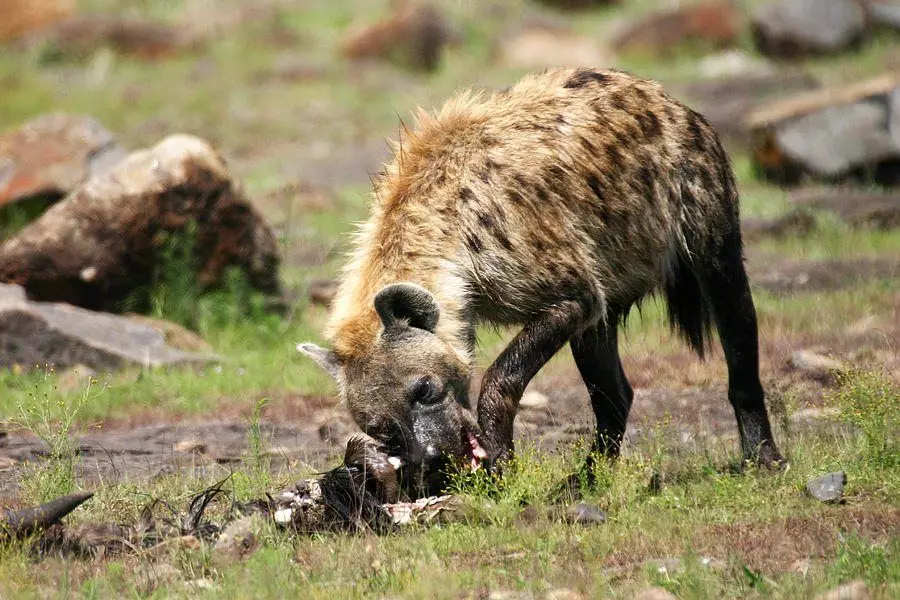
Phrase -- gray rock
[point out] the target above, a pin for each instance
(886, 14)
(833, 141)
(790, 28)
(40, 333)
(828, 488)
(583, 513)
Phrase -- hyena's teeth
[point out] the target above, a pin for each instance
(395, 461)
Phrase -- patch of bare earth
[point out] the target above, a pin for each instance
(776, 546)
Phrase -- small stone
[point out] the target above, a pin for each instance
(583, 513)
(533, 399)
(190, 447)
(828, 488)
(855, 590)
(654, 593)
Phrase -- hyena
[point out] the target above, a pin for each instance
(556, 205)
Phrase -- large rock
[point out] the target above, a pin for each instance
(35, 334)
(841, 133)
(83, 36)
(107, 240)
(18, 17)
(726, 101)
(414, 36)
(717, 24)
(791, 28)
(52, 155)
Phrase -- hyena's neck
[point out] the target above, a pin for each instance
(394, 248)
(413, 233)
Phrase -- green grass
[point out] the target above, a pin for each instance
(709, 525)
(756, 525)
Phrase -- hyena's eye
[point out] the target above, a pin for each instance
(423, 391)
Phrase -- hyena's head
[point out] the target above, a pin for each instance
(410, 391)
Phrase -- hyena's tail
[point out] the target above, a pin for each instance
(689, 312)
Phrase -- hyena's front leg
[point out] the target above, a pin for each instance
(505, 381)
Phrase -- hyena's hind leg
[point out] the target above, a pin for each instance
(724, 284)
(596, 353)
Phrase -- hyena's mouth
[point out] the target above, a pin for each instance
(475, 454)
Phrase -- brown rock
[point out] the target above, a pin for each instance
(136, 37)
(415, 36)
(52, 155)
(717, 24)
(792, 28)
(106, 241)
(834, 134)
(18, 17)
(40, 333)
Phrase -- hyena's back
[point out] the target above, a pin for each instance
(578, 183)
(573, 184)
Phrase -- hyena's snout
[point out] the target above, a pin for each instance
(446, 433)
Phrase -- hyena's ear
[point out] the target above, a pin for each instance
(407, 304)
(326, 359)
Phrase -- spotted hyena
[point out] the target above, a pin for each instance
(557, 205)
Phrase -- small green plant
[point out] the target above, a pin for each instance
(174, 290)
(860, 558)
(257, 460)
(51, 416)
(870, 401)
